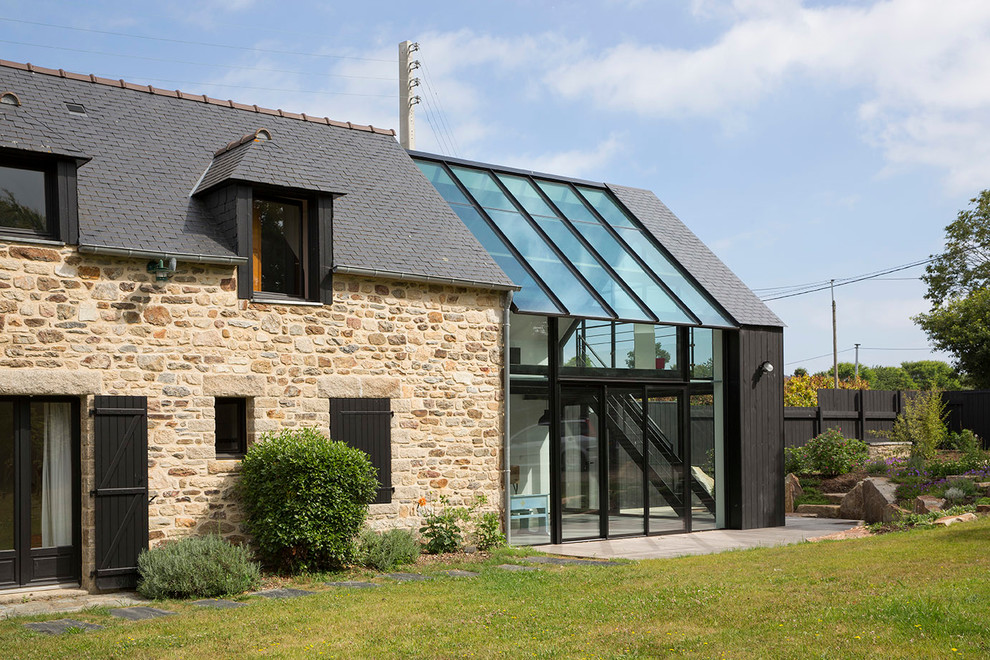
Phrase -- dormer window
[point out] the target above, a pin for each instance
(279, 248)
(26, 205)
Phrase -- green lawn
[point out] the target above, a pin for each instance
(918, 594)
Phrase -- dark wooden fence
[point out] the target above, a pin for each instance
(863, 413)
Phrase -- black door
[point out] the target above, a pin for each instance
(121, 493)
(39, 491)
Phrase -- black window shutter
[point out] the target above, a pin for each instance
(366, 424)
(121, 493)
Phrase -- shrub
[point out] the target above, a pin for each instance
(965, 441)
(983, 500)
(830, 454)
(954, 494)
(198, 566)
(922, 423)
(306, 498)
(386, 551)
(488, 531)
(794, 460)
(965, 486)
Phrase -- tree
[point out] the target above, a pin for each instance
(958, 281)
(892, 378)
(933, 374)
(847, 371)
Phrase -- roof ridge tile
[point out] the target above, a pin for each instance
(179, 94)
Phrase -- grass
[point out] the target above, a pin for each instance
(921, 593)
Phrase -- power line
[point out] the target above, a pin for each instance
(195, 43)
(818, 357)
(436, 96)
(852, 280)
(208, 64)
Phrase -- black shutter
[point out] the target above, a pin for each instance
(121, 493)
(367, 425)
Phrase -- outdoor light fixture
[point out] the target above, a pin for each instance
(162, 268)
(766, 367)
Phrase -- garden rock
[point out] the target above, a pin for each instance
(792, 491)
(820, 510)
(879, 502)
(851, 506)
(949, 520)
(983, 508)
(928, 504)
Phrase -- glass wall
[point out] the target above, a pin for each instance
(590, 346)
(707, 430)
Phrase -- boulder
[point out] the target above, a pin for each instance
(983, 508)
(949, 520)
(792, 491)
(851, 506)
(879, 503)
(819, 510)
(928, 503)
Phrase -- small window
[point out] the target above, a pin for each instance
(279, 250)
(25, 201)
(366, 424)
(231, 427)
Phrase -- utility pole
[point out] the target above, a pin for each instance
(407, 122)
(857, 361)
(835, 341)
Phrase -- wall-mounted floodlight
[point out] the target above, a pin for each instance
(766, 367)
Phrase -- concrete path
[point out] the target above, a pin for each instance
(795, 530)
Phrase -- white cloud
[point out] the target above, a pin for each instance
(578, 163)
(919, 66)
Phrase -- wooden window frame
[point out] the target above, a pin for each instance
(241, 439)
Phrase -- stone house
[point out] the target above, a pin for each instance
(179, 274)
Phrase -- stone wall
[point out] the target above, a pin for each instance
(83, 325)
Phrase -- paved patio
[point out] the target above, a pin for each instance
(796, 530)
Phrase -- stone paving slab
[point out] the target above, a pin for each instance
(60, 626)
(569, 561)
(458, 573)
(517, 568)
(353, 584)
(218, 603)
(796, 530)
(283, 593)
(139, 613)
(69, 604)
(407, 577)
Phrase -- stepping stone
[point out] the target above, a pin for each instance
(353, 584)
(406, 577)
(517, 567)
(139, 613)
(568, 561)
(464, 574)
(218, 603)
(60, 626)
(283, 593)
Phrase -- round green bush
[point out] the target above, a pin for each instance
(306, 497)
(831, 454)
(196, 567)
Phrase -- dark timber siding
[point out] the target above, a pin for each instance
(754, 434)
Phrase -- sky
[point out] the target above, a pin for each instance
(803, 141)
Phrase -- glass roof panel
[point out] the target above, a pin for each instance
(565, 199)
(481, 184)
(442, 182)
(623, 263)
(673, 277)
(591, 269)
(606, 207)
(527, 195)
(531, 297)
(547, 264)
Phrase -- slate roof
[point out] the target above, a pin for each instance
(265, 161)
(19, 130)
(150, 147)
(713, 275)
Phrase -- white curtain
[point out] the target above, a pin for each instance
(56, 479)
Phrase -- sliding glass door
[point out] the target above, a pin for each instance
(39, 486)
